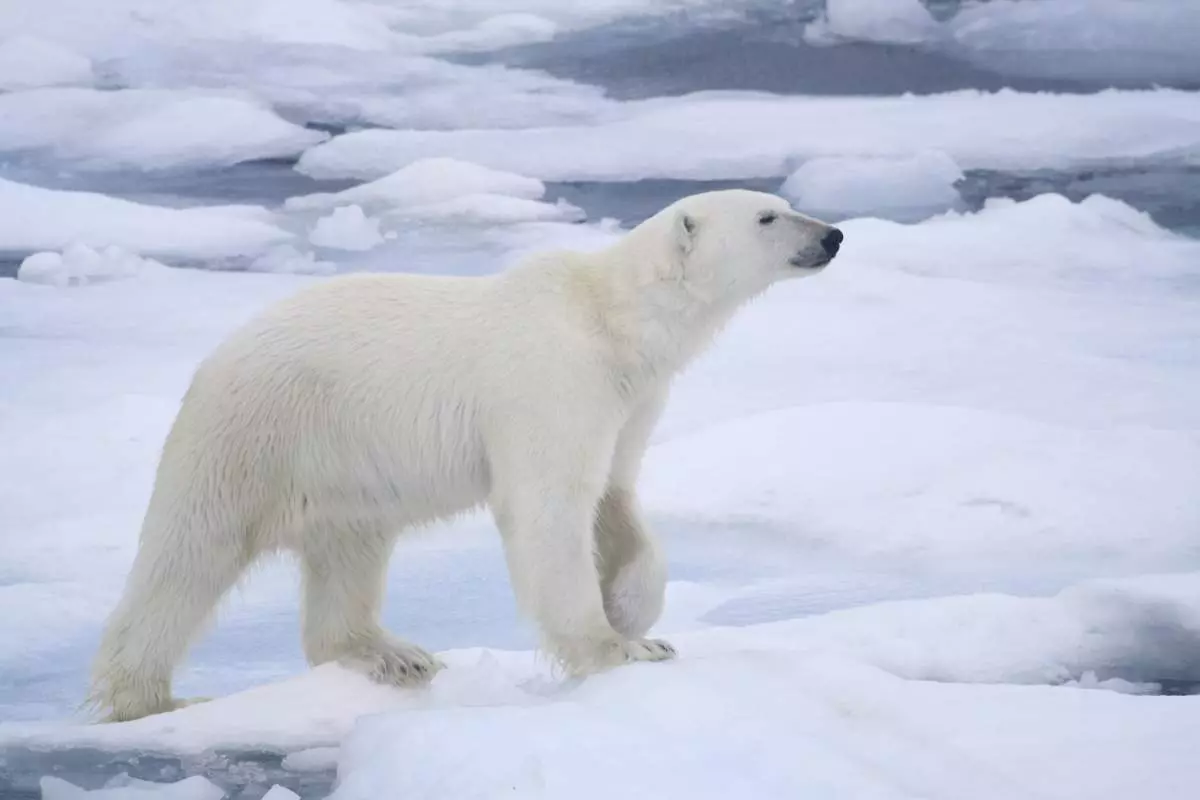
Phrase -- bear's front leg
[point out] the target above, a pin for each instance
(633, 575)
(544, 502)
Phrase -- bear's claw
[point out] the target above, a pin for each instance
(393, 663)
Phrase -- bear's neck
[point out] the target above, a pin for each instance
(656, 321)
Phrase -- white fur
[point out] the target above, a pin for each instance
(369, 404)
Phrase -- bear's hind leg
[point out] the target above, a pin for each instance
(344, 573)
(179, 575)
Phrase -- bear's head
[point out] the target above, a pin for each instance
(737, 243)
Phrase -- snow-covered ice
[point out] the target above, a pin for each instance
(844, 186)
(80, 264)
(144, 129)
(425, 182)
(719, 135)
(1146, 40)
(33, 218)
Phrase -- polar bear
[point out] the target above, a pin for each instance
(372, 403)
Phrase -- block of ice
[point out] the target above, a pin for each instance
(885, 21)
(845, 185)
(346, 228)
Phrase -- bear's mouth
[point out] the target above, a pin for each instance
(805, 261)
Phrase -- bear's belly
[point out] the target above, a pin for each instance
(394, 481)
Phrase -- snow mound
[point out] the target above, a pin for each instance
(346, 228)
(924, 181)
(80, 264)
(712, 136)
(145, 129)
(424, 182)
(34, 219)
(1085, 243)
(27, 62)
(884, 21)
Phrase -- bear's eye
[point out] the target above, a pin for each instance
(767, 217)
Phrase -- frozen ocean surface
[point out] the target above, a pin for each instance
(931, 518)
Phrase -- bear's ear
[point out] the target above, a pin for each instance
(685, 232)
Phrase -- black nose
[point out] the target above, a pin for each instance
(832, 241)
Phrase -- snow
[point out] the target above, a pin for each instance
(33, 219)
(80, 264)
(144, 129)
(720, 135)
(28, 62)
(839, 185)
(425, 182)
(944, 694)
(346, 228)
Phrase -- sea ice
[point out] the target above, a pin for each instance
(715, 135)
(144, 129)
(33, 219)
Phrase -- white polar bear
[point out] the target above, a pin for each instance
(368, 404)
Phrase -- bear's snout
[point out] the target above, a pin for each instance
(832, 241)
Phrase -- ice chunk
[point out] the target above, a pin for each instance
(924, 181)
(740, 135)
(426, 181)
(278, 792)
(286, 258)
(33, 219)
(80, 264)
(314, 759)
(27, 62)
(145, 129)
(346, 228)
(123, 787)
(885, 21)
